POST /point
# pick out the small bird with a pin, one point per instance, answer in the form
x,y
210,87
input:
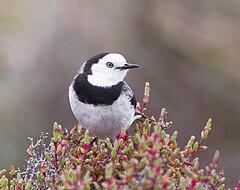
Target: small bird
x,y
99,97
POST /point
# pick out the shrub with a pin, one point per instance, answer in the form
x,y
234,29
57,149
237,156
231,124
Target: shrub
x,y
147,159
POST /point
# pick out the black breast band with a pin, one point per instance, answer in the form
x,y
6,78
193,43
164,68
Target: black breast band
x,y
87,93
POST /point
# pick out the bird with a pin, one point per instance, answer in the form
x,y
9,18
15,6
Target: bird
x,y
100,99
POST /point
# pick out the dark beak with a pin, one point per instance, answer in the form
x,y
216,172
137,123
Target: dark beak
x,y
128,66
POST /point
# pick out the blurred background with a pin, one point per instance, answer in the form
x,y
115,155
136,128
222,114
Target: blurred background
x,y
188,50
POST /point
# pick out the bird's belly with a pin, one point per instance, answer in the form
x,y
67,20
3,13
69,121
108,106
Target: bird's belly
x,y
104,121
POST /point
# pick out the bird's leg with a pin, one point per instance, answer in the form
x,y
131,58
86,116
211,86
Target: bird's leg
x,y
91,144
136,117
142,117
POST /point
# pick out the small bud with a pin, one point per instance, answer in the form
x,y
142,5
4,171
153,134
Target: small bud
x,y
195,146
29,184
39,177
59,149
177,162
63,143
204,135
96,185
215,158
163,135
185,152
57,132
189,173
138,108
43,169
12,187
114,153
123,131
48,157
79,129
208,125
109,144
162,117
120,142
129,171
2,173
202,147
196,163
109,171
89,153
157,129
125,150
55,125
4,183
191,141
12,172
19,177
142,163
31,151
221,187
74,130
222,179
88,167
146,127
174,136
86,136
176,152
12,168
146,93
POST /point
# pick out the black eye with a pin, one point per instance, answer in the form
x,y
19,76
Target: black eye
x,y
109,65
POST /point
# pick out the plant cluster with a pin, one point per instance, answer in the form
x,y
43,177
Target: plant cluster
x,y
147,159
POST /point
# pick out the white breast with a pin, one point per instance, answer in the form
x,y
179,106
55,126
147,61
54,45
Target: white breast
x,y
103,120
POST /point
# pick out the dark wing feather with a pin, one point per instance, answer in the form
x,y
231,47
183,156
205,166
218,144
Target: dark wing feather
x,y
127,91
134,101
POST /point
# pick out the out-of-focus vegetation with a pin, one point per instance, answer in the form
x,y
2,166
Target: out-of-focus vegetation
x,y
188,50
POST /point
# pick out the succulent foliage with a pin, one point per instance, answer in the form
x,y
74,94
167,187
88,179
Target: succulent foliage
x,y
147,159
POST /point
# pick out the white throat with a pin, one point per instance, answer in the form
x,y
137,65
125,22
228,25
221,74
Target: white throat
x,y
101,81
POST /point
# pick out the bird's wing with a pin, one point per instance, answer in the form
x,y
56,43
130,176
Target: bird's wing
x,y
127,91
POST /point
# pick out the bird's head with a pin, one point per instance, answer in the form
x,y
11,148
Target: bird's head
x,y
106,69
